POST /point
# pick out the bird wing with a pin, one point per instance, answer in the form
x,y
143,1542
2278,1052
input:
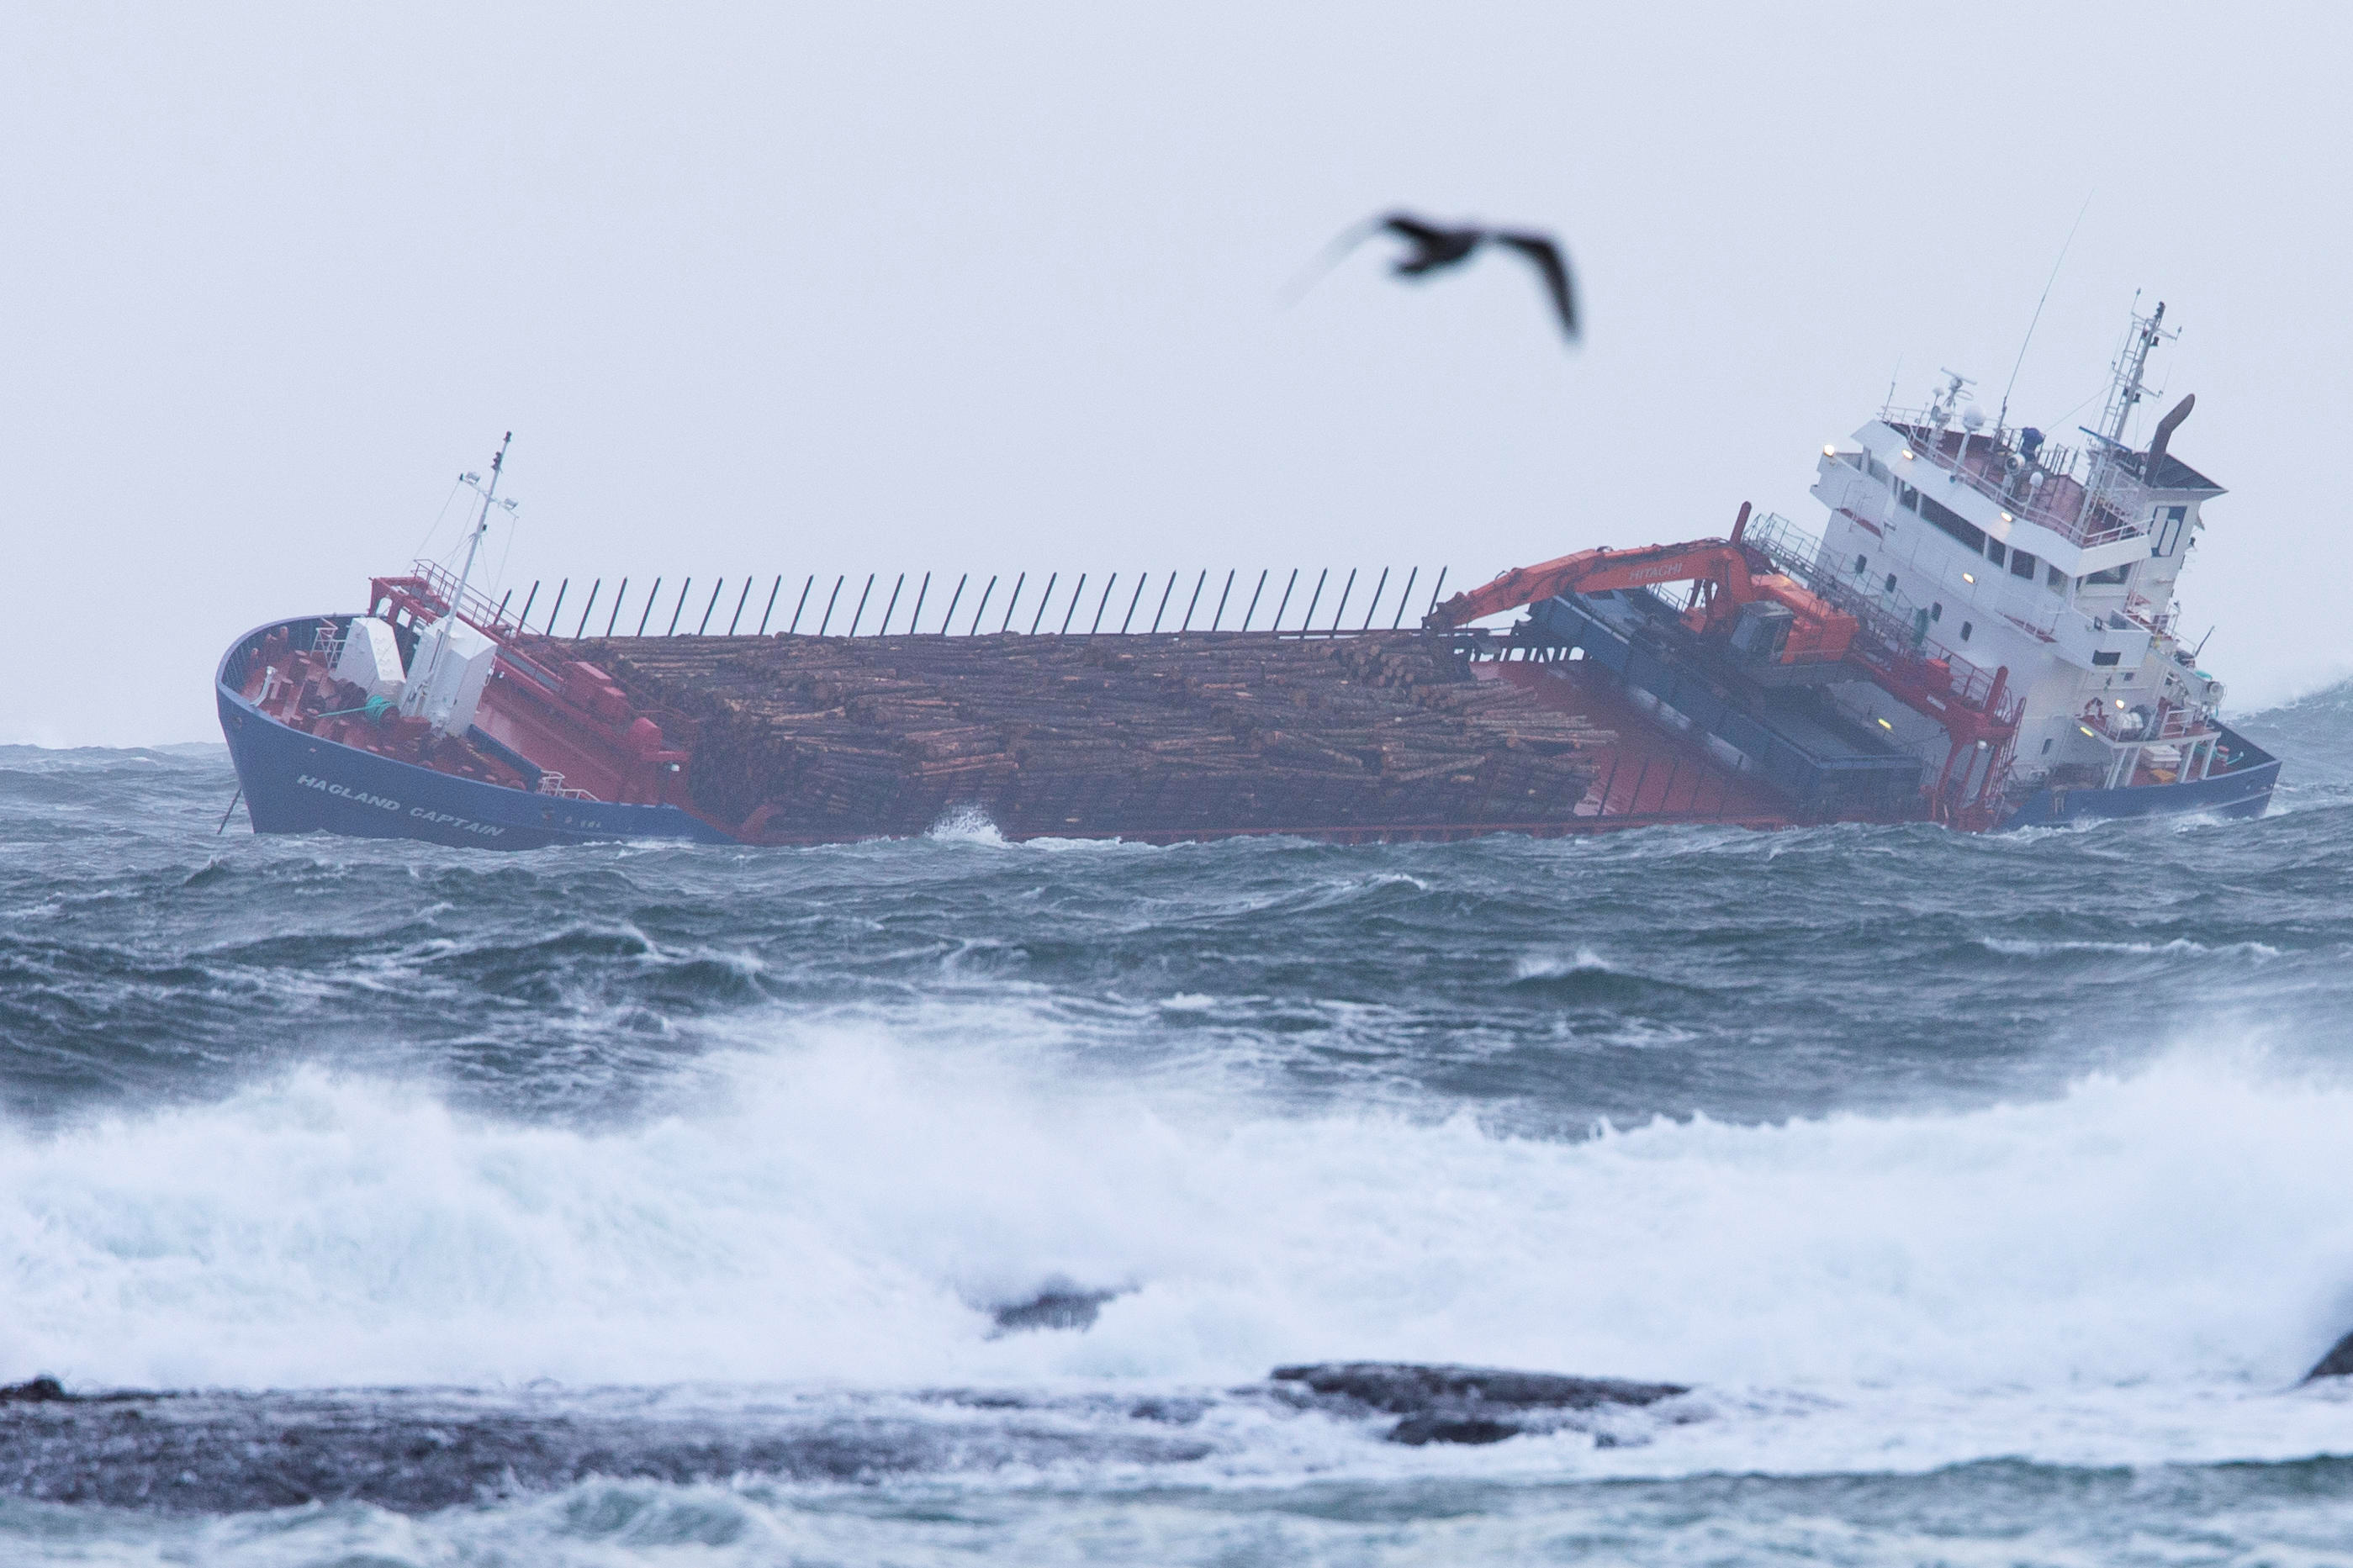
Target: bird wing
x,y
1332,255
1545,256
1417,229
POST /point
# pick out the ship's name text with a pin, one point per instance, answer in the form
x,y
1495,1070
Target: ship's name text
x,y
385,803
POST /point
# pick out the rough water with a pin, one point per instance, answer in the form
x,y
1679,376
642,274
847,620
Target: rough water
x,y
949,1201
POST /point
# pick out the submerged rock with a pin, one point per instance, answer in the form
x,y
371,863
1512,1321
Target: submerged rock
x,y
2338,1363
1055,1307
1467,1404
37,1390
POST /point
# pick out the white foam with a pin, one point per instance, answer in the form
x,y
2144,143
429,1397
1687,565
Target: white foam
x,y
2013,947
1553,966
845,1203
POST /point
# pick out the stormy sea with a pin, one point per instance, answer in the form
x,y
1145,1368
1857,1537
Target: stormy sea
x,y
1866,1194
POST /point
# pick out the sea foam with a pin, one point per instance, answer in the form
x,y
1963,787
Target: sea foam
x,y
846,1208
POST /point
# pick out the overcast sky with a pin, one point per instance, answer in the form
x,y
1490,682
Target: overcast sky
x,y
769,289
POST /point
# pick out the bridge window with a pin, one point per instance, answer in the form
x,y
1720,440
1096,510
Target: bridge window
x,y
2022,564
1862,565
1966,629
1891,582
1996,551
2114,574
2054,579
1935,612
1952,522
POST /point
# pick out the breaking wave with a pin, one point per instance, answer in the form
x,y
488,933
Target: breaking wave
x,y
844,1207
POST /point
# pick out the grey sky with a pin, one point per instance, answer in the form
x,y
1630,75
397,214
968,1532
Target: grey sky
x,y
872,288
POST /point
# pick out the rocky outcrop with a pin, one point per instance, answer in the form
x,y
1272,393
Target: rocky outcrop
x,y
1466,1403
2338,1363
35,1391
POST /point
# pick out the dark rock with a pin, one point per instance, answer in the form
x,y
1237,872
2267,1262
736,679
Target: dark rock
x,y
1416,1431
2338,1363
39,1391
1466,1403
1402,1387
426,1450
1055,1307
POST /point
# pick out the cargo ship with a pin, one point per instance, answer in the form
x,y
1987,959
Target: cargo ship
x,y
1981,634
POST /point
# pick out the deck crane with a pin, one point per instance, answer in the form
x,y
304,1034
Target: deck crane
x,y
1728,583
1734,582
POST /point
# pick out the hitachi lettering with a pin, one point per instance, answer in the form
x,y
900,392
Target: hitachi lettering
x,y
357,797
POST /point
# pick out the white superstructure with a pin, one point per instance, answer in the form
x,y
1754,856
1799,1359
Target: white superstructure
x,y
1999,548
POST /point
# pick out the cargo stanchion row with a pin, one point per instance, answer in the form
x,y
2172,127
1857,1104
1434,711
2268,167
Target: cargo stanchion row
x,y
1071,602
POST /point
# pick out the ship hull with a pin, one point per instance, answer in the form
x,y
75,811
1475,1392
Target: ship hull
x,y
297,783
2244,791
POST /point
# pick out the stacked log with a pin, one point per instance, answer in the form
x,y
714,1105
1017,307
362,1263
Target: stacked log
x,y
797,738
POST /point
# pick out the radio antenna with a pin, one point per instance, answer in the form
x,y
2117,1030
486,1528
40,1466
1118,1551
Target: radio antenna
x,y
2002,418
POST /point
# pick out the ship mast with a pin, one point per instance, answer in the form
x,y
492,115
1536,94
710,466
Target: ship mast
x,y
419,692
2132,363
490,499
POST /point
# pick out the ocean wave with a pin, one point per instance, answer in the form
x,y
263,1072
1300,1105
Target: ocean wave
x,y
323,1231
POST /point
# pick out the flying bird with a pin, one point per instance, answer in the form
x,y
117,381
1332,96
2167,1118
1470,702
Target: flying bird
x,y
1435,248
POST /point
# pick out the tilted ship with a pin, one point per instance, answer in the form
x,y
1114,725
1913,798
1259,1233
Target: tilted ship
x,y
1981,635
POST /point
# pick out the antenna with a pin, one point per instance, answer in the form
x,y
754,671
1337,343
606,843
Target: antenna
x,y
2002,418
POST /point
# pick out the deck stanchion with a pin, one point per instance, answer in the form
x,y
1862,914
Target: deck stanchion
x,y
587,609
550,630
915,616
1375,607
1634,801
734,619
1109,583
647,613
1254,594
1074,609
1308,620
1199,583
1438,590
1132,600
884,629
1222,597
1616,757
1276,625
680,608
1163,604
954,599
982,608
1343,608
522,621
773,589
501,616
802,606
859,613
837,581
1044,604
1405,597
1012,601
618,600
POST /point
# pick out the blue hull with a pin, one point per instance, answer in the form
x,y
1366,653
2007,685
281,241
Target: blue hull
x,y
296,783
2244,791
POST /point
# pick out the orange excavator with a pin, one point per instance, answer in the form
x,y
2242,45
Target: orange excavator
x,y
1731,596
1770,619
